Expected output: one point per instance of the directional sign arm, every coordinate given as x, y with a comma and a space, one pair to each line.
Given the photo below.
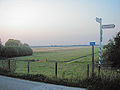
98, 20
108, 26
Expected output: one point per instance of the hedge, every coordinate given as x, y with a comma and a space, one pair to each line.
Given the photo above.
14, 51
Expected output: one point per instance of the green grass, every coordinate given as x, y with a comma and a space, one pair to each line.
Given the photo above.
65, 70
70, 74
58, 55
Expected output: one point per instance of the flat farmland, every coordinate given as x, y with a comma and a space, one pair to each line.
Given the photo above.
58, 53
73, 69
53, 49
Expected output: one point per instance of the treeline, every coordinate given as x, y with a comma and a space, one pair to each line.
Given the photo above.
14, 48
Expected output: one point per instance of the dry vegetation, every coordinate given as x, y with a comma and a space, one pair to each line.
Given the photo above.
53, 49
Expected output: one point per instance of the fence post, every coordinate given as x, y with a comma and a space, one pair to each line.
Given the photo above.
98, 70
2, 64
9, 64
92, 60
28, 66
87, 70
56, 69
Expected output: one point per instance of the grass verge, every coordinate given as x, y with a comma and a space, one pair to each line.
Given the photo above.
101, 82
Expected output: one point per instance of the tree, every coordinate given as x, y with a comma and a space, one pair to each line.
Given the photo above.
112, 51
12, 42
15, 48
25, 44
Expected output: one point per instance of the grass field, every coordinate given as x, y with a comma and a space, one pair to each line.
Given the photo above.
58, 53
71, 73
65, 70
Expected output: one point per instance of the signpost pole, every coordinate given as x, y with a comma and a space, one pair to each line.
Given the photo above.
100, 45
99, 20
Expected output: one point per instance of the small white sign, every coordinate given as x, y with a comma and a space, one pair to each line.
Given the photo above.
108, 26
98, 20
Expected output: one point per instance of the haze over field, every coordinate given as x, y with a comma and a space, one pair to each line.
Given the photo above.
54, 22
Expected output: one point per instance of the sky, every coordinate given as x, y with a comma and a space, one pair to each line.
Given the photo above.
58, 22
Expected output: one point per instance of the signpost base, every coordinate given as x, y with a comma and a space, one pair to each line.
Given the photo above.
99, 67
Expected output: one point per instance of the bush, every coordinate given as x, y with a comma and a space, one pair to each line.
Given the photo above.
12, 42
112, 51
14, 51
14, 48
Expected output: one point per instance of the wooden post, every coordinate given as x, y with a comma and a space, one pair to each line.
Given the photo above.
87, 70
28, 67
56, 69
2, 64
92, 60
8, 64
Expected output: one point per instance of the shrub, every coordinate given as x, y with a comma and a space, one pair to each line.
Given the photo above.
15, 48
13, 51
112, 51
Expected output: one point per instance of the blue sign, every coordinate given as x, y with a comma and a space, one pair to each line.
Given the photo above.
92, 43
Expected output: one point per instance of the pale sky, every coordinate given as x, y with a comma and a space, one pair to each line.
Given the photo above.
57, 22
